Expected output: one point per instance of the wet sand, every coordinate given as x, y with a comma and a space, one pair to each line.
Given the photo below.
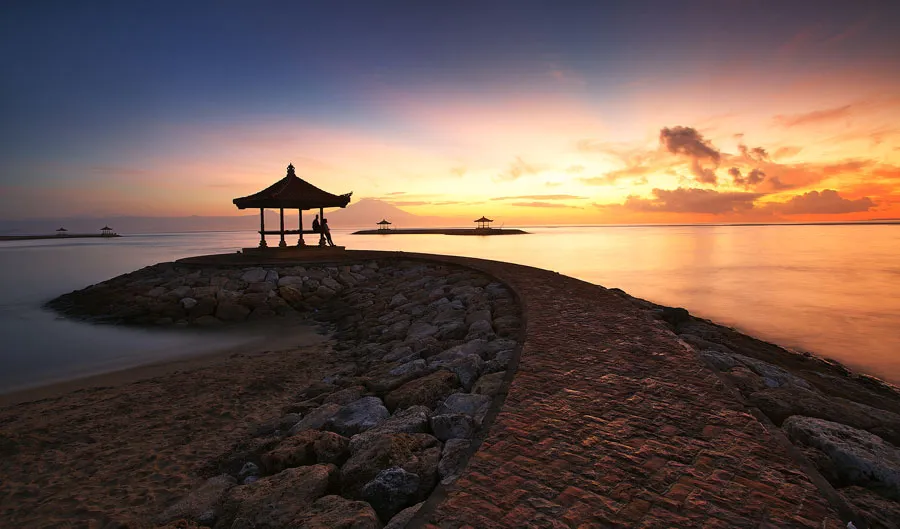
133, 441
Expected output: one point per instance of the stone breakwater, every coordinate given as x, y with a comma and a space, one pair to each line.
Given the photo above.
424, 348
621, 412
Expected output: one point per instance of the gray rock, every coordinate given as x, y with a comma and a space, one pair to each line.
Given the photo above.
397, 353
249, 469
468, 403
499, 363
290, 281
316, 418
453, 459
358, 416
859, 457
410, 420
477, 347
202, 503
414, 368
254, 275
447, 313
391, 491
263, 287
324, 291
501, 344
397, 300
490, 384
774, 376
453, 330
480, 329
467, 369
453, 426
345, 396
230, 311
181, 292
271, 276
332, 284
188, 303
156, 292
719, 360
401, 519
420, 330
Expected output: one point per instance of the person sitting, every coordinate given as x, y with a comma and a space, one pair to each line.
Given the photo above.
315, 224
326, 231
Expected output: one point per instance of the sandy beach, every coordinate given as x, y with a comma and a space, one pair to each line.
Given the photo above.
127, 444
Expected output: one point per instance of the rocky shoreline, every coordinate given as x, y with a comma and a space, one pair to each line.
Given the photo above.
426, 352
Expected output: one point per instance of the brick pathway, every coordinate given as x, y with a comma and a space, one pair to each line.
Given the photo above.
610, 422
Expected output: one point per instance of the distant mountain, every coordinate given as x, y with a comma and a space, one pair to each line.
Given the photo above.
363, 213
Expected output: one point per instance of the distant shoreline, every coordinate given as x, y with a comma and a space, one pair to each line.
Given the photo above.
73, 236
443, 231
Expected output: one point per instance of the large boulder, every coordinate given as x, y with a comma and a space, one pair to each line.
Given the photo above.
253, 275
780, 403
358, 416
426, 391
402, 519
316, 418
292, 294
415, 453
279, 500
453, 426
419, 330
307, 448
453, 459
490, 384
335, 512
773, 376
392, 490
467, 403
859, 457
410, 420
202, 505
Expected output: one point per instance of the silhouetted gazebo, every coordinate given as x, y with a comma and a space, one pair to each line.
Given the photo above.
106, 231
383, 225
291, 192
62, 232
483, 223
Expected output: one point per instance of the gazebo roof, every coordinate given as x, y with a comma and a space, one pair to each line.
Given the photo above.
62, 229
483, 219
294, 193
105, 228
384, 222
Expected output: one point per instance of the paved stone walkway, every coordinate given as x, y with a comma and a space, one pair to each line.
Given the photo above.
611, 422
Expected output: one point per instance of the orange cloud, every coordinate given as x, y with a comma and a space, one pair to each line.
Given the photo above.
814, 117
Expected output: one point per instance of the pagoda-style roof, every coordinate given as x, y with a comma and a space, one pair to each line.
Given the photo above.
483, 219
384, 222
105, 228
62, 229
292, 192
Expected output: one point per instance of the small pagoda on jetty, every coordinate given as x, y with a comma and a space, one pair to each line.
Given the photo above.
483, 223
291, 192
106, 231
384, 225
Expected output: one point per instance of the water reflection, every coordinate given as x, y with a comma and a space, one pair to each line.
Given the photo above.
833, 290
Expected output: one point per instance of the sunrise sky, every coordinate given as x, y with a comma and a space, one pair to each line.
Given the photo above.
529, 112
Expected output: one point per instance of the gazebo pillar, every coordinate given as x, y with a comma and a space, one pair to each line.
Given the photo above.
282, 244
322, 227
300, 241
262, 228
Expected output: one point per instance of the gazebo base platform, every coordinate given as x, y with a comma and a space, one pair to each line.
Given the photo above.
292, 251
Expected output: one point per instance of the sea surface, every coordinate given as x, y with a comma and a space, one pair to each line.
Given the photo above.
833, 290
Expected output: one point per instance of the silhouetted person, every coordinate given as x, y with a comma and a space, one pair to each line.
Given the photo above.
326, 231
315, 224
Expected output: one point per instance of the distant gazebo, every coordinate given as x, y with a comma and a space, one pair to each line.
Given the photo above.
483, 223
291, 192
106, 231
383, 225
62, 232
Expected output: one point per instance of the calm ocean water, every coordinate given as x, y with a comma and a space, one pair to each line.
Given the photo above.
831, 290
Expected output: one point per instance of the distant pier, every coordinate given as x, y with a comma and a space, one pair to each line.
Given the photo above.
443, 231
